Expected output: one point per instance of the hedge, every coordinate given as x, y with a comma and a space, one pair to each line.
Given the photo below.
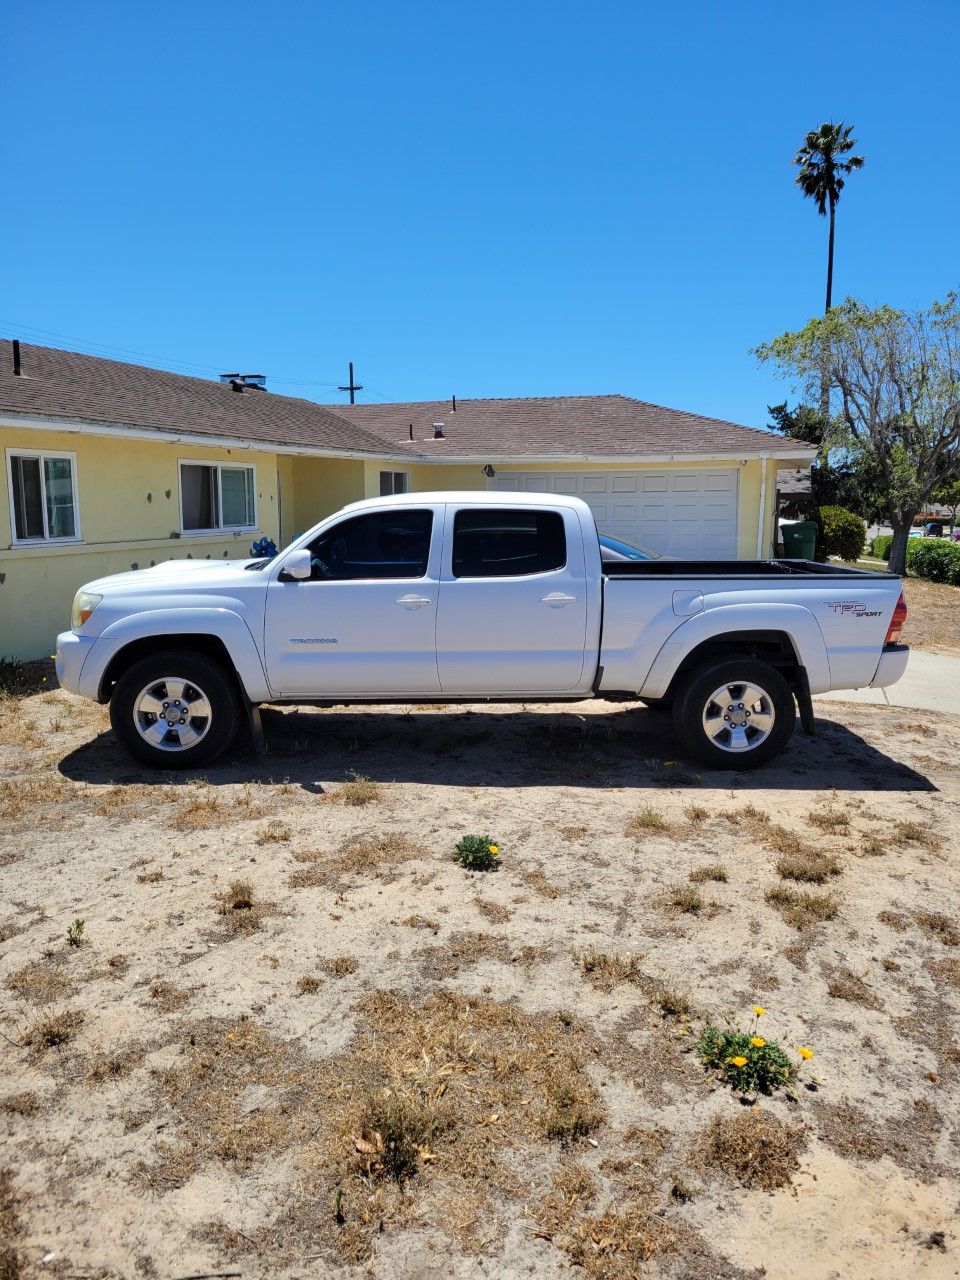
933, 558
844, 534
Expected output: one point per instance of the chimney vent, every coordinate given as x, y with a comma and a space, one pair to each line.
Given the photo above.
256, 381
438, 431
16, 358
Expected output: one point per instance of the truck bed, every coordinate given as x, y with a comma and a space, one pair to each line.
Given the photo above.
735, 569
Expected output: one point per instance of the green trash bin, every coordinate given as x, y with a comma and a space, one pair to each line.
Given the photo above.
799, 540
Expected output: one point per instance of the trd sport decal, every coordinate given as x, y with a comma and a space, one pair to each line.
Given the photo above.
856, 607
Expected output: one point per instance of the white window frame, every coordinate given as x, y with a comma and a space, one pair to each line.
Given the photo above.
393, 480
222, 528
58, 455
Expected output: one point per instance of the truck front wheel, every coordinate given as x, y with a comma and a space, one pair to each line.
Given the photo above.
734, 714
175, 709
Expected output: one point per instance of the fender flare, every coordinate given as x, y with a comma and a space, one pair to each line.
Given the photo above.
220, 624
795, 621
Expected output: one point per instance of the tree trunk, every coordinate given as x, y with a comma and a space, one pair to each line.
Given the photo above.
898, 548
830, 257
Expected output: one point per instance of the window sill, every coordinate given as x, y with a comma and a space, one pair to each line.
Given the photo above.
234, 531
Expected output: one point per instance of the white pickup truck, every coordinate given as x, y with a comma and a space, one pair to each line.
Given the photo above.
475, 597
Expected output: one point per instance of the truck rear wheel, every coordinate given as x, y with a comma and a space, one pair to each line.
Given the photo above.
175, 710
735, 713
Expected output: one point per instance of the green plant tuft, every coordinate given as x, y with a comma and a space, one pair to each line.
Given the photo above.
477, 853
746, 1067
75, 933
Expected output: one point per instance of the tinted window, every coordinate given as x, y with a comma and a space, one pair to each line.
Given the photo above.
385, 544
499, 543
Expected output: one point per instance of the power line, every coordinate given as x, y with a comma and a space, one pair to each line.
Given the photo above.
352, 386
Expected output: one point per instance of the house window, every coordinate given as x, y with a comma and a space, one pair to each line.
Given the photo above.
43, 496
214, 497
392, 482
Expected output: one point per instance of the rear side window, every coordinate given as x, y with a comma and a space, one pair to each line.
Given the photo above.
384, 544
504, 543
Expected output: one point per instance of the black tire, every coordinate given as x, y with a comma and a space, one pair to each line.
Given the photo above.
734, 745
145, 682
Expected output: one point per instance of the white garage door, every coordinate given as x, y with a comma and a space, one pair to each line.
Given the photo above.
678, 513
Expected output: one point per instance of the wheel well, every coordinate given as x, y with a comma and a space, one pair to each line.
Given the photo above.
773, 647
210, 646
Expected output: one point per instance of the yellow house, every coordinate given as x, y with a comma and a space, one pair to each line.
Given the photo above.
111, 466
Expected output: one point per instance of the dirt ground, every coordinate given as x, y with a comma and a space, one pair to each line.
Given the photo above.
294, 1037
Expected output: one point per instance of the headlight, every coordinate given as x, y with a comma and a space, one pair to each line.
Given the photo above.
84, 603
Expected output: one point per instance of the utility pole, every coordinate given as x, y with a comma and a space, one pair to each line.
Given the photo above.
352, 386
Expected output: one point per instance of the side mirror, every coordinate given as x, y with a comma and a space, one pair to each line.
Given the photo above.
296, 567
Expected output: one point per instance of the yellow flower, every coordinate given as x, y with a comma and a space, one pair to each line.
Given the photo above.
737, 1062
805, 1054
494, 849
759, 1010
757, 1041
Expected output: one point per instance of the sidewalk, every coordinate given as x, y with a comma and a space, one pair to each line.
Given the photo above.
931, 683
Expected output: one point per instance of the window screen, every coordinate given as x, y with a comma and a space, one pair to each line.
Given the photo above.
384, 544
43, 503
236, 487
507, 543
198, 488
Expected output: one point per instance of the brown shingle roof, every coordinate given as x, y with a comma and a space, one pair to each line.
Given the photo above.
79, 388
82, 388
559, 427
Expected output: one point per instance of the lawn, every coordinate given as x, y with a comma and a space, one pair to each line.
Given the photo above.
262, 1021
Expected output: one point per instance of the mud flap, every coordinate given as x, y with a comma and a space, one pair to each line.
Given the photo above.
805, 703
257, 735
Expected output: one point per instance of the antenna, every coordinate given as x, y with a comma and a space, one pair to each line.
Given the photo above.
352, 386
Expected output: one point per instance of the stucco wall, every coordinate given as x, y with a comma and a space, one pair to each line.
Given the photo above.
128, 493
322, 486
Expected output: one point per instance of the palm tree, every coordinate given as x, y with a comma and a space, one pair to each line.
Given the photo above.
824, 162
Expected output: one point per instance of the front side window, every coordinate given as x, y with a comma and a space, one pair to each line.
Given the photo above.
503, 543
392, 482
43, 497
214, 497
384, 544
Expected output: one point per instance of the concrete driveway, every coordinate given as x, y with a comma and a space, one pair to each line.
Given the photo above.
931, 683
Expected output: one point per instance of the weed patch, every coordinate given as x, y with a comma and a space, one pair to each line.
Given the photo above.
800, 908
809, 867
241, 910
755, 1149
938, 926
359, 791
646, 823
713, 871
477, 853
845, 985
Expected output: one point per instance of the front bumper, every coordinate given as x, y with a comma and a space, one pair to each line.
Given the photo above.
892, 665
72, 653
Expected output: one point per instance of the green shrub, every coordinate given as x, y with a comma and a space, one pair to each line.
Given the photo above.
844, 534
477, 853
748, 1063
935, 559
880, 546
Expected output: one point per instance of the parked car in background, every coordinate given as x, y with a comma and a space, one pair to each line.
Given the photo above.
613, 549
933, 529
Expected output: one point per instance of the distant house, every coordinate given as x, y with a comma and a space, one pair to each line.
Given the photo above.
111, 466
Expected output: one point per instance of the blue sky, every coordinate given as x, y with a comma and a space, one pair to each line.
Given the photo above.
480, 199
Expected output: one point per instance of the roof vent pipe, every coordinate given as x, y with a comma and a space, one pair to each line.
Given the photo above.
438, 431
454, 404
16, 358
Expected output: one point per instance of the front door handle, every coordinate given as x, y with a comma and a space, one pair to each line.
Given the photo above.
413, 602
557, 600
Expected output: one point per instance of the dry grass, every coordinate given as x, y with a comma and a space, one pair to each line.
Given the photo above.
494, 912
754, 1148
358, 791
646, 823
150, 877
378, 856
167, 997
781, 840
41, 800
116, 1064
274, 832
51, 1029
938, 926
809, 867
715, 871
42, 982
20, 1104
241, 910
418, 921
339, 966
800, 908
605, 971
685, 899
573, 834
309, 985
696, 813
201, 812
539, 882
933, 618
11, 1229
846, 985
829, 820
913, 833
461, 950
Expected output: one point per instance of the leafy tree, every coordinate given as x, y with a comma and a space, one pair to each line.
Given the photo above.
895, 377
838, 478
824, 162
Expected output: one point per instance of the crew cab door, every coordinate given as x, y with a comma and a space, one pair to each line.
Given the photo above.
512, 614
365, 620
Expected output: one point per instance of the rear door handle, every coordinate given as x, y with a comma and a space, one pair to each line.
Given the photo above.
413, 602
557, 600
